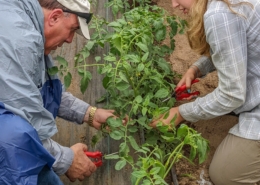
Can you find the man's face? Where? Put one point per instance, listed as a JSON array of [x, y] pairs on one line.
[[183, 5], [59, 27]]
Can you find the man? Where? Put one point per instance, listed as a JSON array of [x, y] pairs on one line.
[[29, 31]]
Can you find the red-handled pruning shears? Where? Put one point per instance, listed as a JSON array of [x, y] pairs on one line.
[[97, 156], [181, 92]]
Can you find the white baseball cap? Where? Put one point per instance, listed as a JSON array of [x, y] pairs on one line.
[[81, 8]]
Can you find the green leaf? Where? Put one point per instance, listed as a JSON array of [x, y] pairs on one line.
[[182, 131], [84, 83], [116, 134], [162, 93], [162, 128], [168, 139], [110, 58], [90, 45], [142, 47], [162, 172], [117, 43], [67, 80], [133, 58], [114, 24], [54, 70], [111, 156], [133, 143], [138, 99], [85, 54], [147, 182], [139, 174], [155, 170], [102, 99], [158, 24], [142, 120], [97, 58], [123, 148], [202, 150], [144, 58], [120, 164], [133, 129], [81, 72], [160, 181], [160, 34], [172, 44], [165, 66], [106, 81], [62, 61], [122, 21], [123, 76], [122, 86], [127, 66], [147, 99], [114, 122], [144, 111], [129, 159], [174, 27], [193, 152], [140, 67], [135, 107], [95, 139]]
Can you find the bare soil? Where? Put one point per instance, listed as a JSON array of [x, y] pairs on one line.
[[213, 130]]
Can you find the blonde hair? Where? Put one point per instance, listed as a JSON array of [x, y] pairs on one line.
[[196, 33]]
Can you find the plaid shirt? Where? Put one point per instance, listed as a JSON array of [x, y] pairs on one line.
[[234, 40]]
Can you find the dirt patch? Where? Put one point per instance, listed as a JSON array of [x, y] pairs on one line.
[[215, 129]]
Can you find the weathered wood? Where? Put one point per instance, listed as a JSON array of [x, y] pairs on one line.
[[70, 133]]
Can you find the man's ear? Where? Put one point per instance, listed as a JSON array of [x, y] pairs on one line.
[[55, 16]]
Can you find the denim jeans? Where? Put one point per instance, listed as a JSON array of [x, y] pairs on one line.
[[48, 177]]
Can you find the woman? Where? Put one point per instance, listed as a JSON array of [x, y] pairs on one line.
[[228, 33]]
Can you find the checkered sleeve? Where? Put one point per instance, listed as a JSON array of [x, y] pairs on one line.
[[226, 36]]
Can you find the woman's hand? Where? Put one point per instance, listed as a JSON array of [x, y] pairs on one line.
[[173, 112], [191, 74]]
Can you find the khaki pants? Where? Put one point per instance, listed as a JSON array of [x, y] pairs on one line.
[[236, 162]]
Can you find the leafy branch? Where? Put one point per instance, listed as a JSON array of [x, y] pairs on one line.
[[137, 78]]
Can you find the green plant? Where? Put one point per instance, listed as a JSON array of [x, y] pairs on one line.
[[137, 78]]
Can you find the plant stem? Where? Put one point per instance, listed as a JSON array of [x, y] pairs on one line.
[[131, 83], [89, 65], [116, 70], [176, 151]]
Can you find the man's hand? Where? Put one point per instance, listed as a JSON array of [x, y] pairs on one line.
[[81, 166], [101, 116], [173, 112]]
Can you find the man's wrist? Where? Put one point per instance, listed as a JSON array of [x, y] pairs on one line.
[[89, 116]]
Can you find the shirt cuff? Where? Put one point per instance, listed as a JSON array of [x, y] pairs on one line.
[[205, 65], [186, 111], [72, 109], [63, 156], [61, 167]]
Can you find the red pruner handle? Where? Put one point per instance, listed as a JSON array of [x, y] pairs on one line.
[[183, 87], [94, 154], [184, 96], [97, 156]]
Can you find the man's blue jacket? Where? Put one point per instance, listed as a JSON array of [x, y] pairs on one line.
[[26, 89], [22, 155]]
